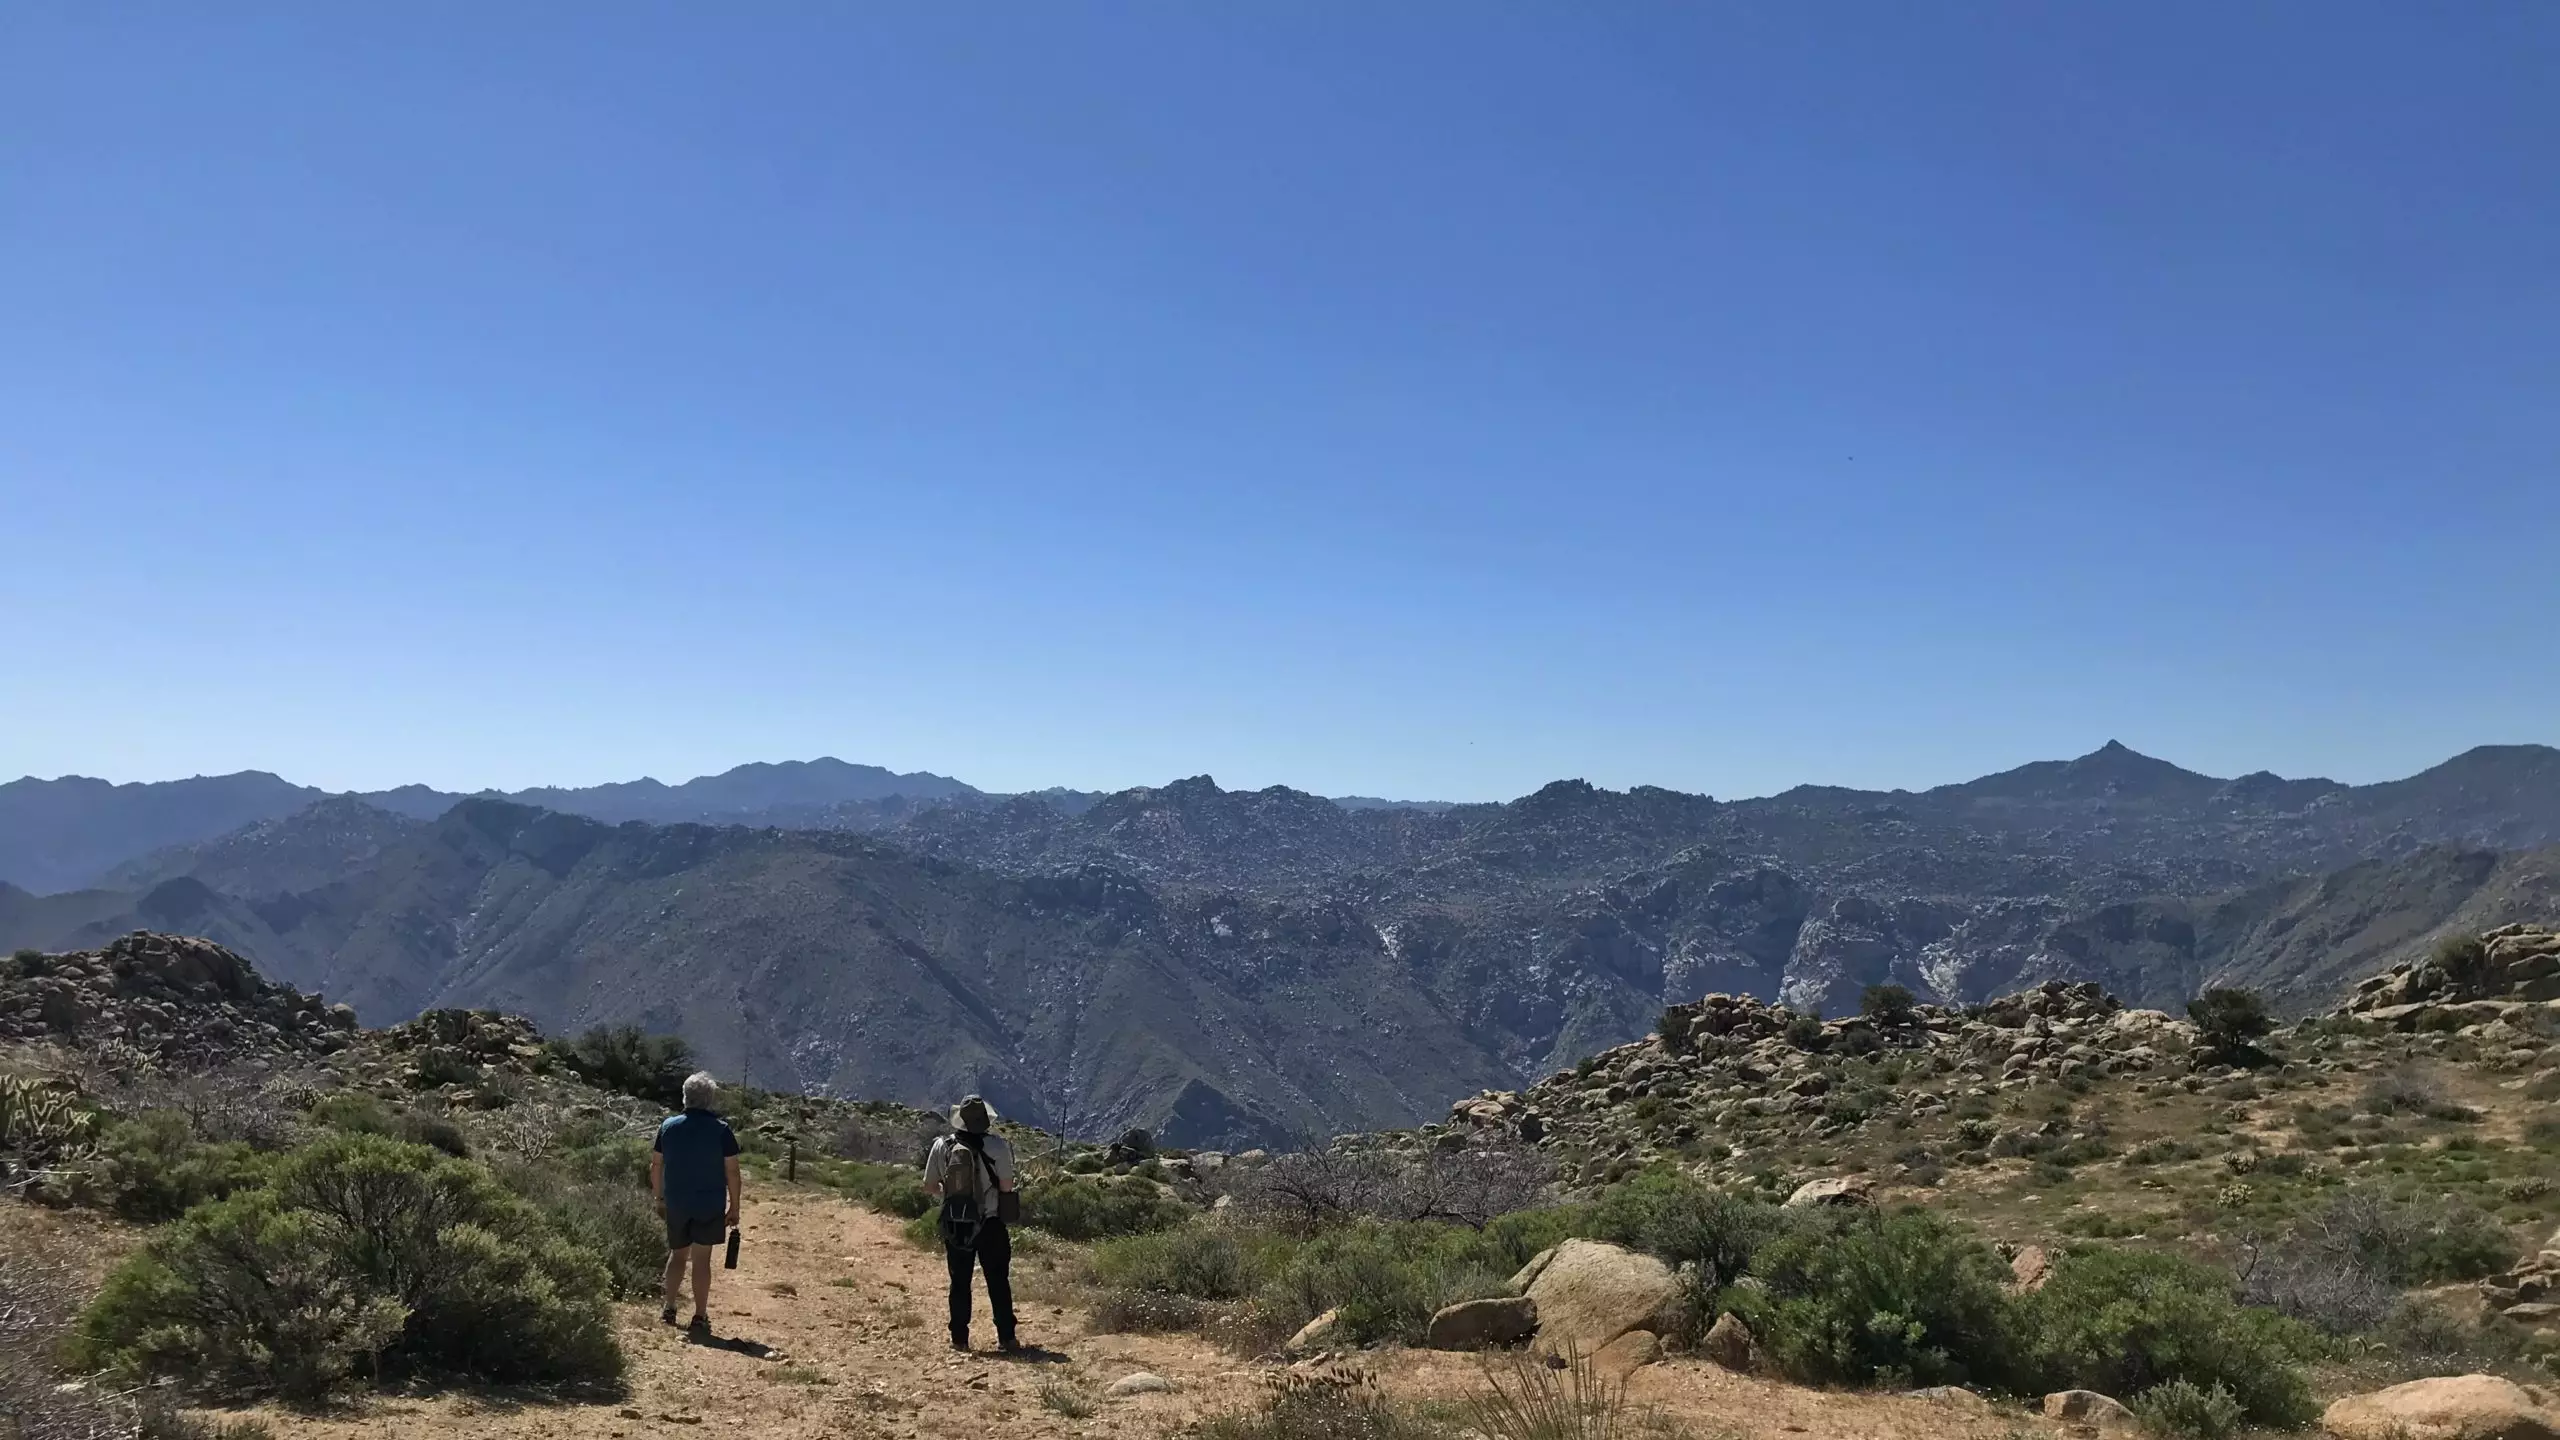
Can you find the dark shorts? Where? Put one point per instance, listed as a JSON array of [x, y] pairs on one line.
[[685, 1229]]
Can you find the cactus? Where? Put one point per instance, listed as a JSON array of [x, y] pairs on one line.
[[43, 1125]]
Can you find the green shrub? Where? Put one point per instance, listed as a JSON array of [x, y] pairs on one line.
[[1888, 1004], [2464, 959], [1684, 1222], [1094, 1208], [2410, 1243], [627, 1059], [2123, 1321], [1197, 1260], [2181, 1411], [155, 1170], [1386, 1277], [602, 1211], [1805, 1032], [2232, 1021], [1902, 1298], [1145, 1312], [890, 1189], [358, 1254]]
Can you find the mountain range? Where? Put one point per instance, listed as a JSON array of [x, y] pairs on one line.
[[1254, 966]]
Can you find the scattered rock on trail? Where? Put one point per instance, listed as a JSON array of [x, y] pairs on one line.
[[1845, 1190], [1476, 1324], [1145, 1382], [1591, 1293], [2448, 1407], [2088, 1407]]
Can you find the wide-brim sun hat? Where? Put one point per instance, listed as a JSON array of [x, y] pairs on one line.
[[966, 1101]]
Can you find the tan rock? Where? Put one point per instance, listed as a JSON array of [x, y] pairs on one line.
[[2088, 1407], [1627, 1354], [1589, 1294], [1477, 1324], [1729, 1343], [1325, 1332], [2029, 1269], [1838, 1190], [2450, 1407]]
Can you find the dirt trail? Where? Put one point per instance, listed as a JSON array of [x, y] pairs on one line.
[[832, 1325]]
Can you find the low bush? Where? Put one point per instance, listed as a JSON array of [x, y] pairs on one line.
[[627, 1059], [1902, 1298], [1201, 1261], [602, 1210], [43, 1126], [1684, 1222], [890, 1189], [154, 1169], [359, 1254], [1386, 1278], [1323, 1407], [2123, 1321], [1145, 1312], [2181, 1411], [1075, 1207]]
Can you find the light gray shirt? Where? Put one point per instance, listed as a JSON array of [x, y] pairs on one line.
[[999, 1153]]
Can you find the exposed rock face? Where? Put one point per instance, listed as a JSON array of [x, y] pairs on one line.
[[1479, 1324], [2452, 1407], [1590, 1293], [2513, 962], [173, 999]]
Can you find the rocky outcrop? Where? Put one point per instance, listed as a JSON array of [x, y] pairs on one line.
[[2514, 963], [2451, 1407], [173, 1000], [1728, 1057], [1589, 1293]]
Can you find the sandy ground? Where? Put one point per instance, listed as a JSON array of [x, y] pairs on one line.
[[832, 1326]]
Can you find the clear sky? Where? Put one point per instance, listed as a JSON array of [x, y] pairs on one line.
[[1414, 399]]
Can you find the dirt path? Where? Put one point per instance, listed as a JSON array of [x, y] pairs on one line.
[[832, 1326]]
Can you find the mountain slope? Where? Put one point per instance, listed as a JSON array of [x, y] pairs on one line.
[[62, 834]]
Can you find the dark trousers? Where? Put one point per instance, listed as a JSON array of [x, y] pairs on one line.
[[994, 1252]]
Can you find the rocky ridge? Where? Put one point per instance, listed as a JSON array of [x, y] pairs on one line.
[[1729, 1063], [174, 1000]]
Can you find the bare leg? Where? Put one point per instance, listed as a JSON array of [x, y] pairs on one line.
[[702, 1282], [672, 1283]]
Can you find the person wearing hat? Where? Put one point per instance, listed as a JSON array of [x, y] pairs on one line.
[[970, 1171]]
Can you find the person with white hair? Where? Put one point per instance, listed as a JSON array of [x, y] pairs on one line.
[[693, 1170]]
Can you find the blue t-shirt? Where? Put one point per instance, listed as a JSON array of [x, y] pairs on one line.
[[697, 1145]]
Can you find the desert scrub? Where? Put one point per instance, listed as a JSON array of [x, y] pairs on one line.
[[357, 1255], [2123, 1321], [2181, 1411], [1902, 1299]]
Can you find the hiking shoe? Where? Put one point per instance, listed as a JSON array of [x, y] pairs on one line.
[[700, 1329], [667, 1316]]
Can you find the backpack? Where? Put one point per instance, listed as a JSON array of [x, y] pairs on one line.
[[964, 1179]]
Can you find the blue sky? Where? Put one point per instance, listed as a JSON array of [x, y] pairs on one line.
[[1427, 399]]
